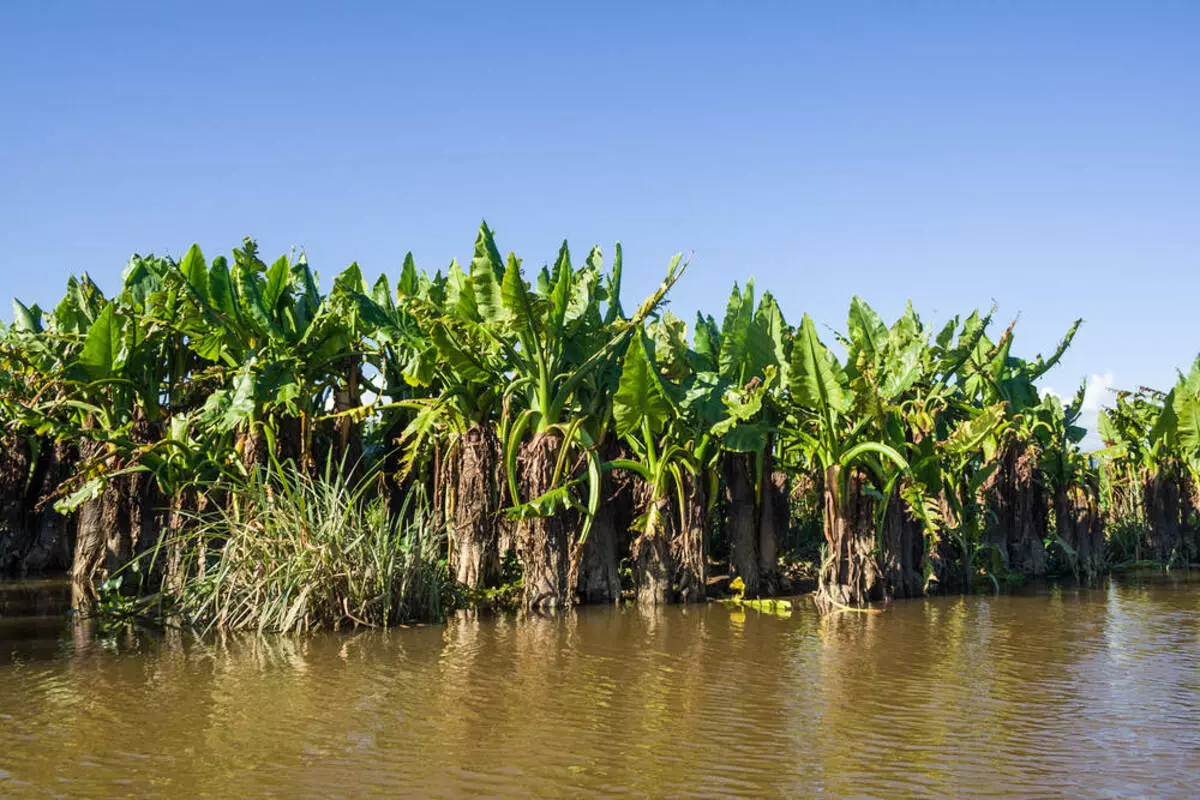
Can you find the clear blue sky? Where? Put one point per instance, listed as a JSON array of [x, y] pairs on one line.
[[1044, 155]]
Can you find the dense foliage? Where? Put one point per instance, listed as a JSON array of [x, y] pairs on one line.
[[534, 419], [1151, 466]]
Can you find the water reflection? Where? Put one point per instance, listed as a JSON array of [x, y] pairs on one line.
[[1088, 692]]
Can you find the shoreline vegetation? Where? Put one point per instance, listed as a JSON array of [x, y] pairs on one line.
[[226, 446]]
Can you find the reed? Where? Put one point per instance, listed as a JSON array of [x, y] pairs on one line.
[[290, 552]]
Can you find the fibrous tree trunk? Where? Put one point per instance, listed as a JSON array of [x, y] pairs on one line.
[[740, 508], [15, 466], [1077, 512], [543, 543], [1163, 504], [475, 555], [123, 522], [599, 575], [652, 567], [51, 535], [395, 486], [772, 522], [1020, 511], [688, 551], [903, 551], [948, 563], [348, 428], [849, 576], [95, 517], [1189, 514]]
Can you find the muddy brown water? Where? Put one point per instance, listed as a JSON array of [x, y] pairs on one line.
[[1060, 691]]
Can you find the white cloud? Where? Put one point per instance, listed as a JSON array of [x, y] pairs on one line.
[[1097, 395], [1048, 392], [1098, 392]]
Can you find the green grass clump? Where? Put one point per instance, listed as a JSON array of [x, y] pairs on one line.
[[286, 552]]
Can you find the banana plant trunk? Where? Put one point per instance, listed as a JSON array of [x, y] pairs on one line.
[[182, 510], [1161, 494], [1017, 498], [348, 429], [652, 562], [740, 509], [772, 523], [688, 548], [33, 536], [949, 558], [395, 488], [1189, 508], [475, 554], [903, 551], [15, 466], [599, 574], [95, 518], [849, 576], [543, 543], [1077, 513], [122, 522], [114, 528], [51, 535]]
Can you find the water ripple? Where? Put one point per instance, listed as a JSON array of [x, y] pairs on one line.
[[1069, 692]]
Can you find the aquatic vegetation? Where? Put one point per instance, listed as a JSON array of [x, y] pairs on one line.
[[501, 416], [289, 552]]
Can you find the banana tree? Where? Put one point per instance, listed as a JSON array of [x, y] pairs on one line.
[[1152, 457], [847, 453], [1074, 483], [442, 368], [1018, 503], [907, 394], [745, 361], [648, 421], [284, 353], [555, 338]]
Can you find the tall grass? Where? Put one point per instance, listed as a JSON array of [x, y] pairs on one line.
[[288, 552]]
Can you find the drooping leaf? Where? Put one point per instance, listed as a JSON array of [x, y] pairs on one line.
[[459, 359], [241, 402], [969, 435]]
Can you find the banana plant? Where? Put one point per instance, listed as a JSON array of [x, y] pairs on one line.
[[444, 371], [742, 367], [650, 423], [1151, 460], [278, 346], [555, 339], [847, 452], [1018, 505]]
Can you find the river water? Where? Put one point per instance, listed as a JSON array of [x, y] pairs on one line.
[[1060, 691]]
